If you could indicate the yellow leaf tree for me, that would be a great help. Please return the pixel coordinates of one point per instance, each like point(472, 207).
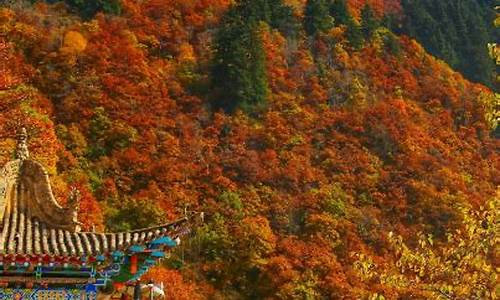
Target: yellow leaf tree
point(463, 267)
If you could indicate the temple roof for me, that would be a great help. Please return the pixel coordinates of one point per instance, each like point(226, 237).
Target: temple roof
point(33, 222)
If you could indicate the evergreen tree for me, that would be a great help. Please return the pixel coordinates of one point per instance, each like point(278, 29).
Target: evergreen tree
point(392, 45)
point(369, 22)
point(317, 17)
point(341, 15)
point(239, 75)
point(391, 22)
point(273, 12)
point(283, 19)
point(88, 8)
point(339, 11)
point(354, 34)
point(455, 31)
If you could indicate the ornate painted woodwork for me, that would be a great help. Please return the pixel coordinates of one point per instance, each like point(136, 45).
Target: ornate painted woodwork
point(49, 294)
point(42, 245)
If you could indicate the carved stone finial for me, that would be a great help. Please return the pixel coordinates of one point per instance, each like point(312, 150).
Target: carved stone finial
point(74, 199)
point(74, 206)
point(22, 151)
point(74, 196)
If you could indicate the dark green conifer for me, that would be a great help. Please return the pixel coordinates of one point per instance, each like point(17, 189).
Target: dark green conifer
point(88, 8)
point(455, 31)
point(341, 15)
point(339, 11)
point(273, 12)
point(239, 77)
point(369, 22)
point(238, 74)
point(317, 17)
point(354, 35)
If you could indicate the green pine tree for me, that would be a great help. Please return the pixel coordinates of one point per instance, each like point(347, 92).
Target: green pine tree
point(273, 12)
point(391, 22)
point(339, 11)
point(354, 34)
point(369, 22)
point(317, 17)
point(455, 31)
point(341, 15)
point(88, 8)
point(239, 75)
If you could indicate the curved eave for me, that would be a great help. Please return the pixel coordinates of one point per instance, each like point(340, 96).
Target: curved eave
point(41, 240)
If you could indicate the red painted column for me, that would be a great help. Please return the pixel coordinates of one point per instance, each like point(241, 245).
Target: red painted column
point(133, 264)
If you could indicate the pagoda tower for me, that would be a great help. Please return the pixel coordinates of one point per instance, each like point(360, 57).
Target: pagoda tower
point(45, 255)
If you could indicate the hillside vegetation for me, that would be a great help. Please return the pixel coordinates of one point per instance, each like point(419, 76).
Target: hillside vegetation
point(333, 158)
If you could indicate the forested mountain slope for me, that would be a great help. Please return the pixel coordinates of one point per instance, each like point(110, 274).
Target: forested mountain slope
point(324, 149)
point(455, 31)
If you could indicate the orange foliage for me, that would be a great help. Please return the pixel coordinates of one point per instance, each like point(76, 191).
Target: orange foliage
point(175, 286)
point(351, 145)
point(380, 7)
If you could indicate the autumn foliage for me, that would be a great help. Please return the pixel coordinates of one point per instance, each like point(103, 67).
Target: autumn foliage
point(349, 144)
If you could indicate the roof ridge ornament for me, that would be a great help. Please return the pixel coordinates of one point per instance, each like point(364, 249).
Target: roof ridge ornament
point(74, 206)
point(22, 151)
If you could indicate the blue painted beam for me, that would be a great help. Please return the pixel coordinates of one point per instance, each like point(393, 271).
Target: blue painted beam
point(164, 241)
